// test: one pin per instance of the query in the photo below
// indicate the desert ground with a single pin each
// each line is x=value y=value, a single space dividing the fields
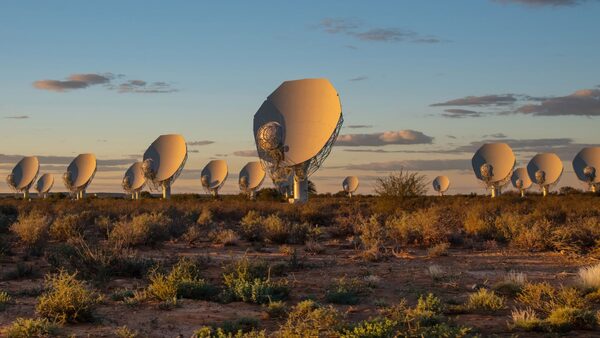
x=448 y=266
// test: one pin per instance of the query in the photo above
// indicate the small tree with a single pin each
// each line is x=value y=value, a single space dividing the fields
x=401 y=184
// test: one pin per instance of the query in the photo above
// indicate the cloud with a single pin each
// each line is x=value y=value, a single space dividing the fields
x=199 y=143
x=17 y=117
x=358 y=126
x=497 y=135
x=359 y=78
x=451 y=136
x=74 y=81
x=63 y=160
x=461 y=113
x=415 y=165
x=487 y=100
x=108 y=80
x=585 y=102
x=246 y=153
x=355 y=29
x=385 y=138
x=541 y=3
x=140 y=86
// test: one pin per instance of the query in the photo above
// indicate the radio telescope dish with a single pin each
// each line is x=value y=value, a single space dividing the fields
x=350 y=184
x=214 y=175
x=134 y=180
x=441 y=184
x=80 y=174
x=164 y=161
x=493 y=164
x=23 y=175
x=295 y=128
x=44 y=184
x=587 y=167
x=520 y=180
x=251 y=177
x=545 y=170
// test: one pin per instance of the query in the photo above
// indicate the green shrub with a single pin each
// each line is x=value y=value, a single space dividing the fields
x=568 y=318
x=5 y=299
x=276 y=309
x=345 y=291
x=125 y=332
x=377 y=328
x=31 y=328
x=543 y=298
x=183 y=281
x=66 y=300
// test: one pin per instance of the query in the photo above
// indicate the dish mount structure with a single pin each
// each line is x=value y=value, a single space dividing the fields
x=295 y=129
x=23 y=175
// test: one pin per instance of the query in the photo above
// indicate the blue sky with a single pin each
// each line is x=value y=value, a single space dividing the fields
x=216 y=63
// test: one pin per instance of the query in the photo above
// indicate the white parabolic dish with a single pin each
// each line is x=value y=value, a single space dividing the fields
x=167 y=155
x=501 y=158
x=441 y=183
x=522 y=175
x=135 y=177
x=550 y=164
x=350 y=184
x=82 y=170
x=25 y=172
x=588 y=158
x=254 y=176
x=45 y=183
x=216 y=171
x=308 y=112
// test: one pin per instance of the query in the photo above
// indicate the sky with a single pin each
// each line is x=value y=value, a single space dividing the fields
x=422 y=83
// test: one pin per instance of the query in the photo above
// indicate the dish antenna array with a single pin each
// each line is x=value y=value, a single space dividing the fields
x=163 y=162
x=80 y=174
x=44 y=184
x=134 y=180
x=545 y=170
x=587 y=167
x=493 y=164
x=441 y=184
x=251 y=177
x=294 y=130
x=23 y=175
x=213 y=176
x=520 y=180
x=350 y=184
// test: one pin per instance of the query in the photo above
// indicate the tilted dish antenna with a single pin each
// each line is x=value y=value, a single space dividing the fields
x=134 y=180
x=251 y=177
x=545 y=170
x=587 y=167
x=213 y=176
x=23 y=175
x=44 y=184
x=350 y=184
x=441 y=184
x=163 y=162
x=520 y=180
x=80 y=174
x=493 y=164
x=295 y=128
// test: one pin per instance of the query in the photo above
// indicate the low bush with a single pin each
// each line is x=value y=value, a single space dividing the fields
x=183 y=281
x=589 y=277
x=252 y=283
x=5 y=299
x=346 y=291
x=143 y=229
x=31 y=328
x=32 y=230
x=484 y=300
x=67 y=299
x=511 y=284
x=309 y=319
x=70 y=226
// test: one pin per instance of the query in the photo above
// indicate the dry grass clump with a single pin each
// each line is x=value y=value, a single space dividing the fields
x=436 y=272
x=225 y=237
x=69 y=226
x=346 y=291
x=31 y=328
x=5 y=299
x=205 y=218
x=314 y=247
x=143 y=229
x=309 y=319
x=373 y=234
x=32 y=230
x=484 y=300
x=273 y=228
x=125 y=332
x=511 y=284
x=67 y=299
x=589 y=277
x=438 y=250
x=423 y=227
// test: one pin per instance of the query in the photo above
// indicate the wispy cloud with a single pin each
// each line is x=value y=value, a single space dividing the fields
x=358 y=78
x=487 y=100
x=385 y=138
x=199 y=143
x=425 y=165
x=585 y=102
x=17 y=117
x=542 y=3
x=358 y=126
x=461 y=113
x=246 y=153
x=108 y=80
x=355 y=28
